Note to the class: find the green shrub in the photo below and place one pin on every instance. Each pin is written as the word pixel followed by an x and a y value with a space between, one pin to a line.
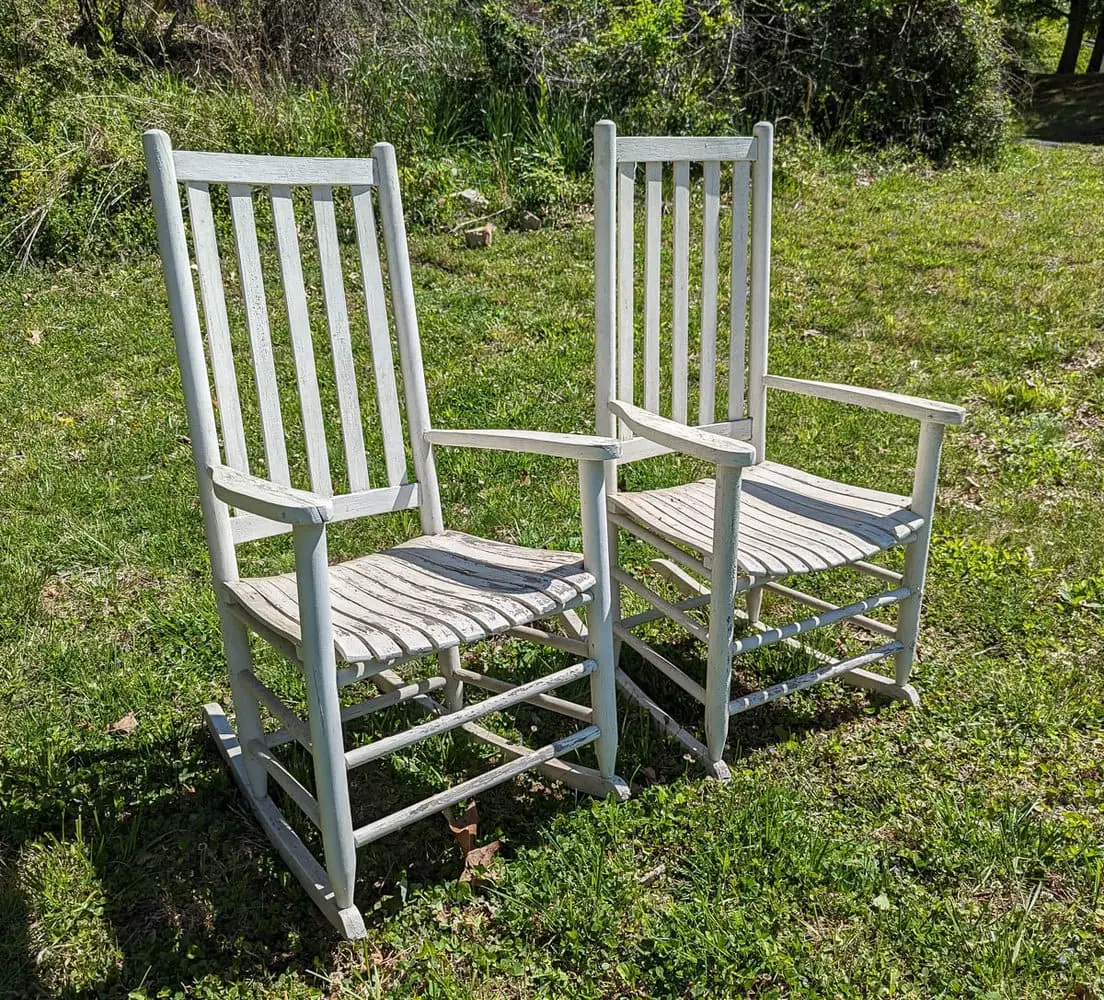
pixel 875 72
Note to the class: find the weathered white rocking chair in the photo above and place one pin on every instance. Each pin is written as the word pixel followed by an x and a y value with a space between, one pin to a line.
pixel 357 620
pixel 757 522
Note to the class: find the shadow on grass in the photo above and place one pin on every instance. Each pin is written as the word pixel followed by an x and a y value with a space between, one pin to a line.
pixel 191 888
pixel 1066 108
pixel 649 758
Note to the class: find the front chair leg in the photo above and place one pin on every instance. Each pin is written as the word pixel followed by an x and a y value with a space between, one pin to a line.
pixel 327 744
pixel 924 485
pixel 596 558
pixel 722 613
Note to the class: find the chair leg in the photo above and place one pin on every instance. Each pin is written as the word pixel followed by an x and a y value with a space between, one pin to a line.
pixel 754 603
pixel 320 674
pixel 449 662
pixel 722 613
pixel 916 554
pixel 596 557
pixel 239 657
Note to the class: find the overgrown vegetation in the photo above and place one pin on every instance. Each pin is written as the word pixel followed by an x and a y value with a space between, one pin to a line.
pixel 497 95
pixel 862 850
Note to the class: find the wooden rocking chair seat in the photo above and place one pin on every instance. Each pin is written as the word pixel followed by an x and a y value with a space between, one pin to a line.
pixel 431 593
pixel 790 521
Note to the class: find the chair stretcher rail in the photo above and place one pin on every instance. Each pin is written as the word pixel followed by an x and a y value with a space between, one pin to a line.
pixel 773 635
pixel 453 720
pixel 473 786
pixel 824 673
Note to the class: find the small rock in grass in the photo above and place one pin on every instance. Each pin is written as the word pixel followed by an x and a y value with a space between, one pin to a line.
pixel 480 237
pixel 529 221
pixel 472 198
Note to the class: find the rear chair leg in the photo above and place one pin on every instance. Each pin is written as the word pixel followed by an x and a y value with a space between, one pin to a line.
pixel 449 662
pixel 247 711
pixel 754 603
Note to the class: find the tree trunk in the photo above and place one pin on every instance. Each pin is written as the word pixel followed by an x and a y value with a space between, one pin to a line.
pixel 1097 57
pixel 1078 15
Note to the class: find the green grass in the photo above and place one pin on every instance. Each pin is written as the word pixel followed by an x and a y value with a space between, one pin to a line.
pixel 861 850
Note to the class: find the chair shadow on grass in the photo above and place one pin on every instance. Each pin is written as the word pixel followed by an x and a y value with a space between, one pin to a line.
pixel 192 888
pixel 649 758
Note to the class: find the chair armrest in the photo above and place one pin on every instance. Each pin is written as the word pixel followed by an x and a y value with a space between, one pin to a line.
pixel 714 448
pixel 872 399
pixel 269 499
pixel 584 447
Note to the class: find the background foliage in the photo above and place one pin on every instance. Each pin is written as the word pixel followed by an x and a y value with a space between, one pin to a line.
pixel 498 95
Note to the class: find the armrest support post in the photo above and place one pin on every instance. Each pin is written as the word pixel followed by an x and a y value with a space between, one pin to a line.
pixel 924 483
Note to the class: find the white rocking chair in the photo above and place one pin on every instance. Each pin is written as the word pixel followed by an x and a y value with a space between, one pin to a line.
pixel 359 619
pixel 757 522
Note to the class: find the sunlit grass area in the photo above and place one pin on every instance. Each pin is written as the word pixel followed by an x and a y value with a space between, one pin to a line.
pixel 861 850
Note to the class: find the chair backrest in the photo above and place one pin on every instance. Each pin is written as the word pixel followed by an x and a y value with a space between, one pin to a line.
pixel 636 362
pixel 250 201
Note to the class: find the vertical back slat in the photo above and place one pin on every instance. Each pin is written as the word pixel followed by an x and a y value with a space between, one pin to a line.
pixel 711 184
pixel 383 363
pixel 680 303
pixel 626 348
pixel 737 343
pixel 337 315
pixel 652 236
pixel 209 267
pixel 302 348
pixel 260 338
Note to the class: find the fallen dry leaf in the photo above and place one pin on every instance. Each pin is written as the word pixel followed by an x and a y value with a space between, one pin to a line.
pixel 128 723
pixel 34 337
pixel 476 859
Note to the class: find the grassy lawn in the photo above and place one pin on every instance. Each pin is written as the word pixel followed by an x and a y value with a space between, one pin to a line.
pixel 861 850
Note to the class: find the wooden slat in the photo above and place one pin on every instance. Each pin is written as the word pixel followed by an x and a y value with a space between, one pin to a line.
pixel 710 238
pixel 652 247
pixel 383 363
pixel 426 595
pixel 675 148
pixel 737 334
pixel 218 326
pixel 260 337
pixel 235 168
pixel 337 315
pixel 626 277
pixel 302 347
pixel 790 522
pixel 680 292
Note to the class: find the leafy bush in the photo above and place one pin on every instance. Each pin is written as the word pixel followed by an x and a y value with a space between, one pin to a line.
pixel 927 76
pixel 498 95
